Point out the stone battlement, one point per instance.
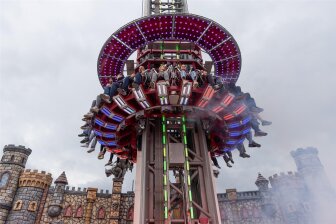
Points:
(35, 179)
(19, 148)
(285, 179)
(233, 194)
(302, 151)
(81, 191)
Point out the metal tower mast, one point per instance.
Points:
(151, 7)
(174, 179)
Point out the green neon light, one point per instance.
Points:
(185, 140)
(166, 195)
(183, 119)
(163, 118)
(186, 152)
(190, 196)
(164, 128)
(164, 139)
(166, 212)
(188, 167)
(165, 179)
(184, 128)
(164, 165)
(192, 212)
(164, 151)
(188, 180)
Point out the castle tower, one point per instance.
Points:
(30, 197)
(12, 164)
(55, 206)
(290, 195)
(311, 169)
(322, 194)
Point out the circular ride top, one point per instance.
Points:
(116, 125)
(206, 33)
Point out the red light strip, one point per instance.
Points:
(241, 109)
(228, 117)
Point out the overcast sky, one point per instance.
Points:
(48, 57)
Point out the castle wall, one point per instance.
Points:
(27, 198)
(74, 199)
(247, 208)
(127, 201)
(103, 201)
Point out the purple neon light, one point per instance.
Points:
(109, 135)
(231, 142)
(188, 27)
(98, 133)
(108, 113)
(101, 142)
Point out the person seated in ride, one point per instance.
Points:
(252, 106)
(252, 143)
(102, 152)
(88, 118)
(227, 156)
(250, 102)
(172, 70)
(112, 88)
(110, 161)
(183, 71)
(124, 87)
(163, 73)
(139, 77)
(107, 92)
(242, 151)
(214, 160)
(191, 75)
(208, 78)
(88, 125)
(85, 133)
(93, 140)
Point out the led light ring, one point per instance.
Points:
(230, 69)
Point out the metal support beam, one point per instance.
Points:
(206, 29)
(122, 42)
(228, 58)
(192, 195)
(141, 32)
(220, 43)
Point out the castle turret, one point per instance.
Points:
(30, 197)
(311, 169)
(12, 164)
(55, 206)
(262, 183)
(315, 179)
(267, 205)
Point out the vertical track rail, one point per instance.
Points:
(166, 190)
(187, 180)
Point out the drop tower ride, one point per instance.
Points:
(167, 130)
